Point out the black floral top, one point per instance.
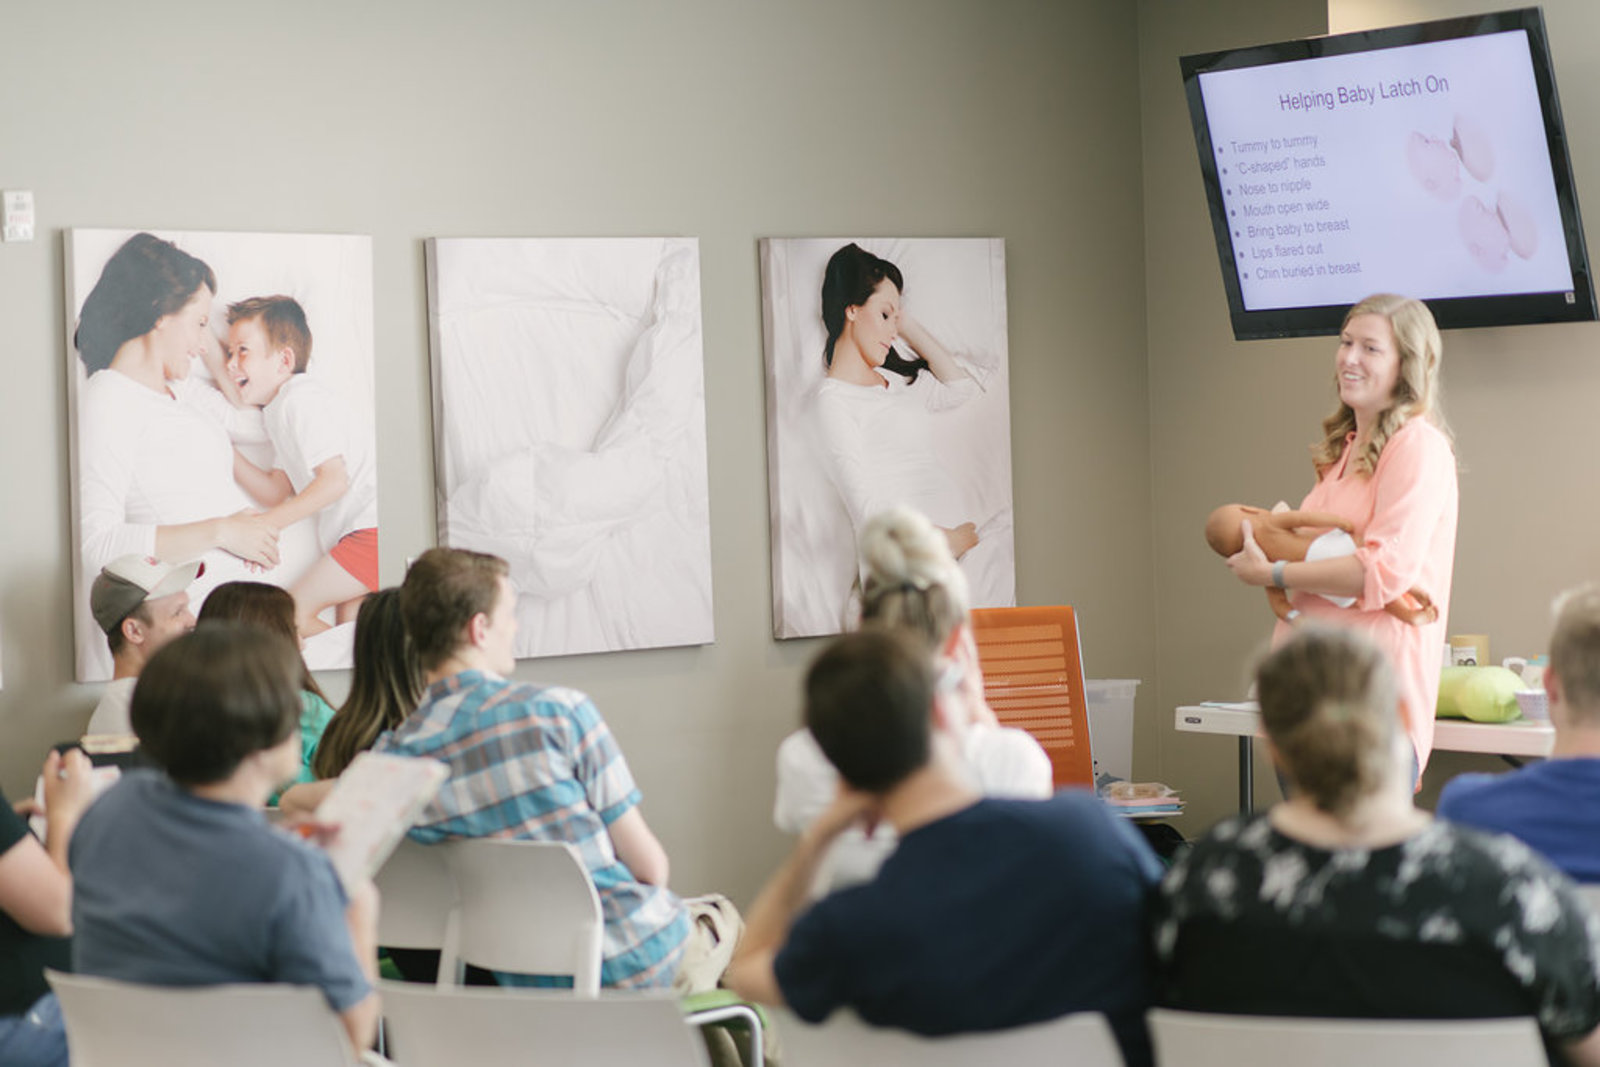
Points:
(1450, 923)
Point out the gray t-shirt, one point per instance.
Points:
(171, 889)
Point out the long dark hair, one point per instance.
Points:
(267, 606)
(385, 688)
(142, 281)
(851, 276)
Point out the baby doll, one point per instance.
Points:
(1278, 534)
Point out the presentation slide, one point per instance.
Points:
(1421, 170)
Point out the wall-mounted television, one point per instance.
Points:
(1428, 160)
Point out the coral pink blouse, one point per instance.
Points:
(1405, 525)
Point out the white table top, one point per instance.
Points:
(1517, 738)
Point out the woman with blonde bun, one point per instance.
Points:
(1346, 900)
(912, 583)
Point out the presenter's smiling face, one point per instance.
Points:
(1368, 366)
(875, 324)
(183, 333)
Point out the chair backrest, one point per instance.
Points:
(1198, 1039)
(418, 895)
(1033, 678)
(528, 907)
(1081, 1040)
(121, 1024)
(525, 1028)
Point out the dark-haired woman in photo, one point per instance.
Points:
(385, 688)
(155, 469)
(871, 409)
(1346, 900)
(270, 607)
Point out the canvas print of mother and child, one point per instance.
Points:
(887, 383)
(221, 402)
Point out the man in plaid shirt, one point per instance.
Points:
(539, 763)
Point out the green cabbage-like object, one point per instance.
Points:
(1482, 694)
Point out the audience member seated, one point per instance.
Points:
(912, 584)
(272, 608)
(1345, 900)
(539, 763)
(179, 879)
(384, 689)
(35, 914)
(991, 913)
(141, 604)
(1553, 806)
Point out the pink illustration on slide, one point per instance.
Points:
(1472, 143)
(1520, 227)
(1485, 234)
(1434, 165)
(1490, 234)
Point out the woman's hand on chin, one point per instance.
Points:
(962, 538)
(250, 537)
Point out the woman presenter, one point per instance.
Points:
(1386, 464)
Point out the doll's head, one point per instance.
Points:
(1225, 527)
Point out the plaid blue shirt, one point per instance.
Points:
(541, 764)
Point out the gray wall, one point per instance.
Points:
(1229, 421)
(723, 119)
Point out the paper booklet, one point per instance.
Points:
(100, 779)
(374, 802)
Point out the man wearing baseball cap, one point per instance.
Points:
(141, 603)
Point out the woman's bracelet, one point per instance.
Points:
(1277, 574)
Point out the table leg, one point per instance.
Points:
(1247, 775)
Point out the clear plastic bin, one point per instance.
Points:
(1110, 702)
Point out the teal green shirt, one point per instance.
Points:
(314, 715)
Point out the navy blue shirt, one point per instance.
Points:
(24, 955)
(1552, 807)
(173, 889)
(1006, 913)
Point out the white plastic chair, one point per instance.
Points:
(529, 1027)
(419, 909)
(527, 907)
(1080, 1040)
(121, 1024)
(1198, 1039)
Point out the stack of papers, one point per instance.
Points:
(1142, 799)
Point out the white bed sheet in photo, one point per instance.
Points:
(955, 288)
(571, 433)
(331, 277)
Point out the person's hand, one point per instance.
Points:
(961, 538)
(1250, 565)
(850, 807)
(250, 537)
(68, 784)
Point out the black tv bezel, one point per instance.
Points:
(1450, 313)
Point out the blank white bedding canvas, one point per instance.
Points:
(569, 400)
(949, 458)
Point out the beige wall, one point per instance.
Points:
(1230, 421)
(724, 119)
